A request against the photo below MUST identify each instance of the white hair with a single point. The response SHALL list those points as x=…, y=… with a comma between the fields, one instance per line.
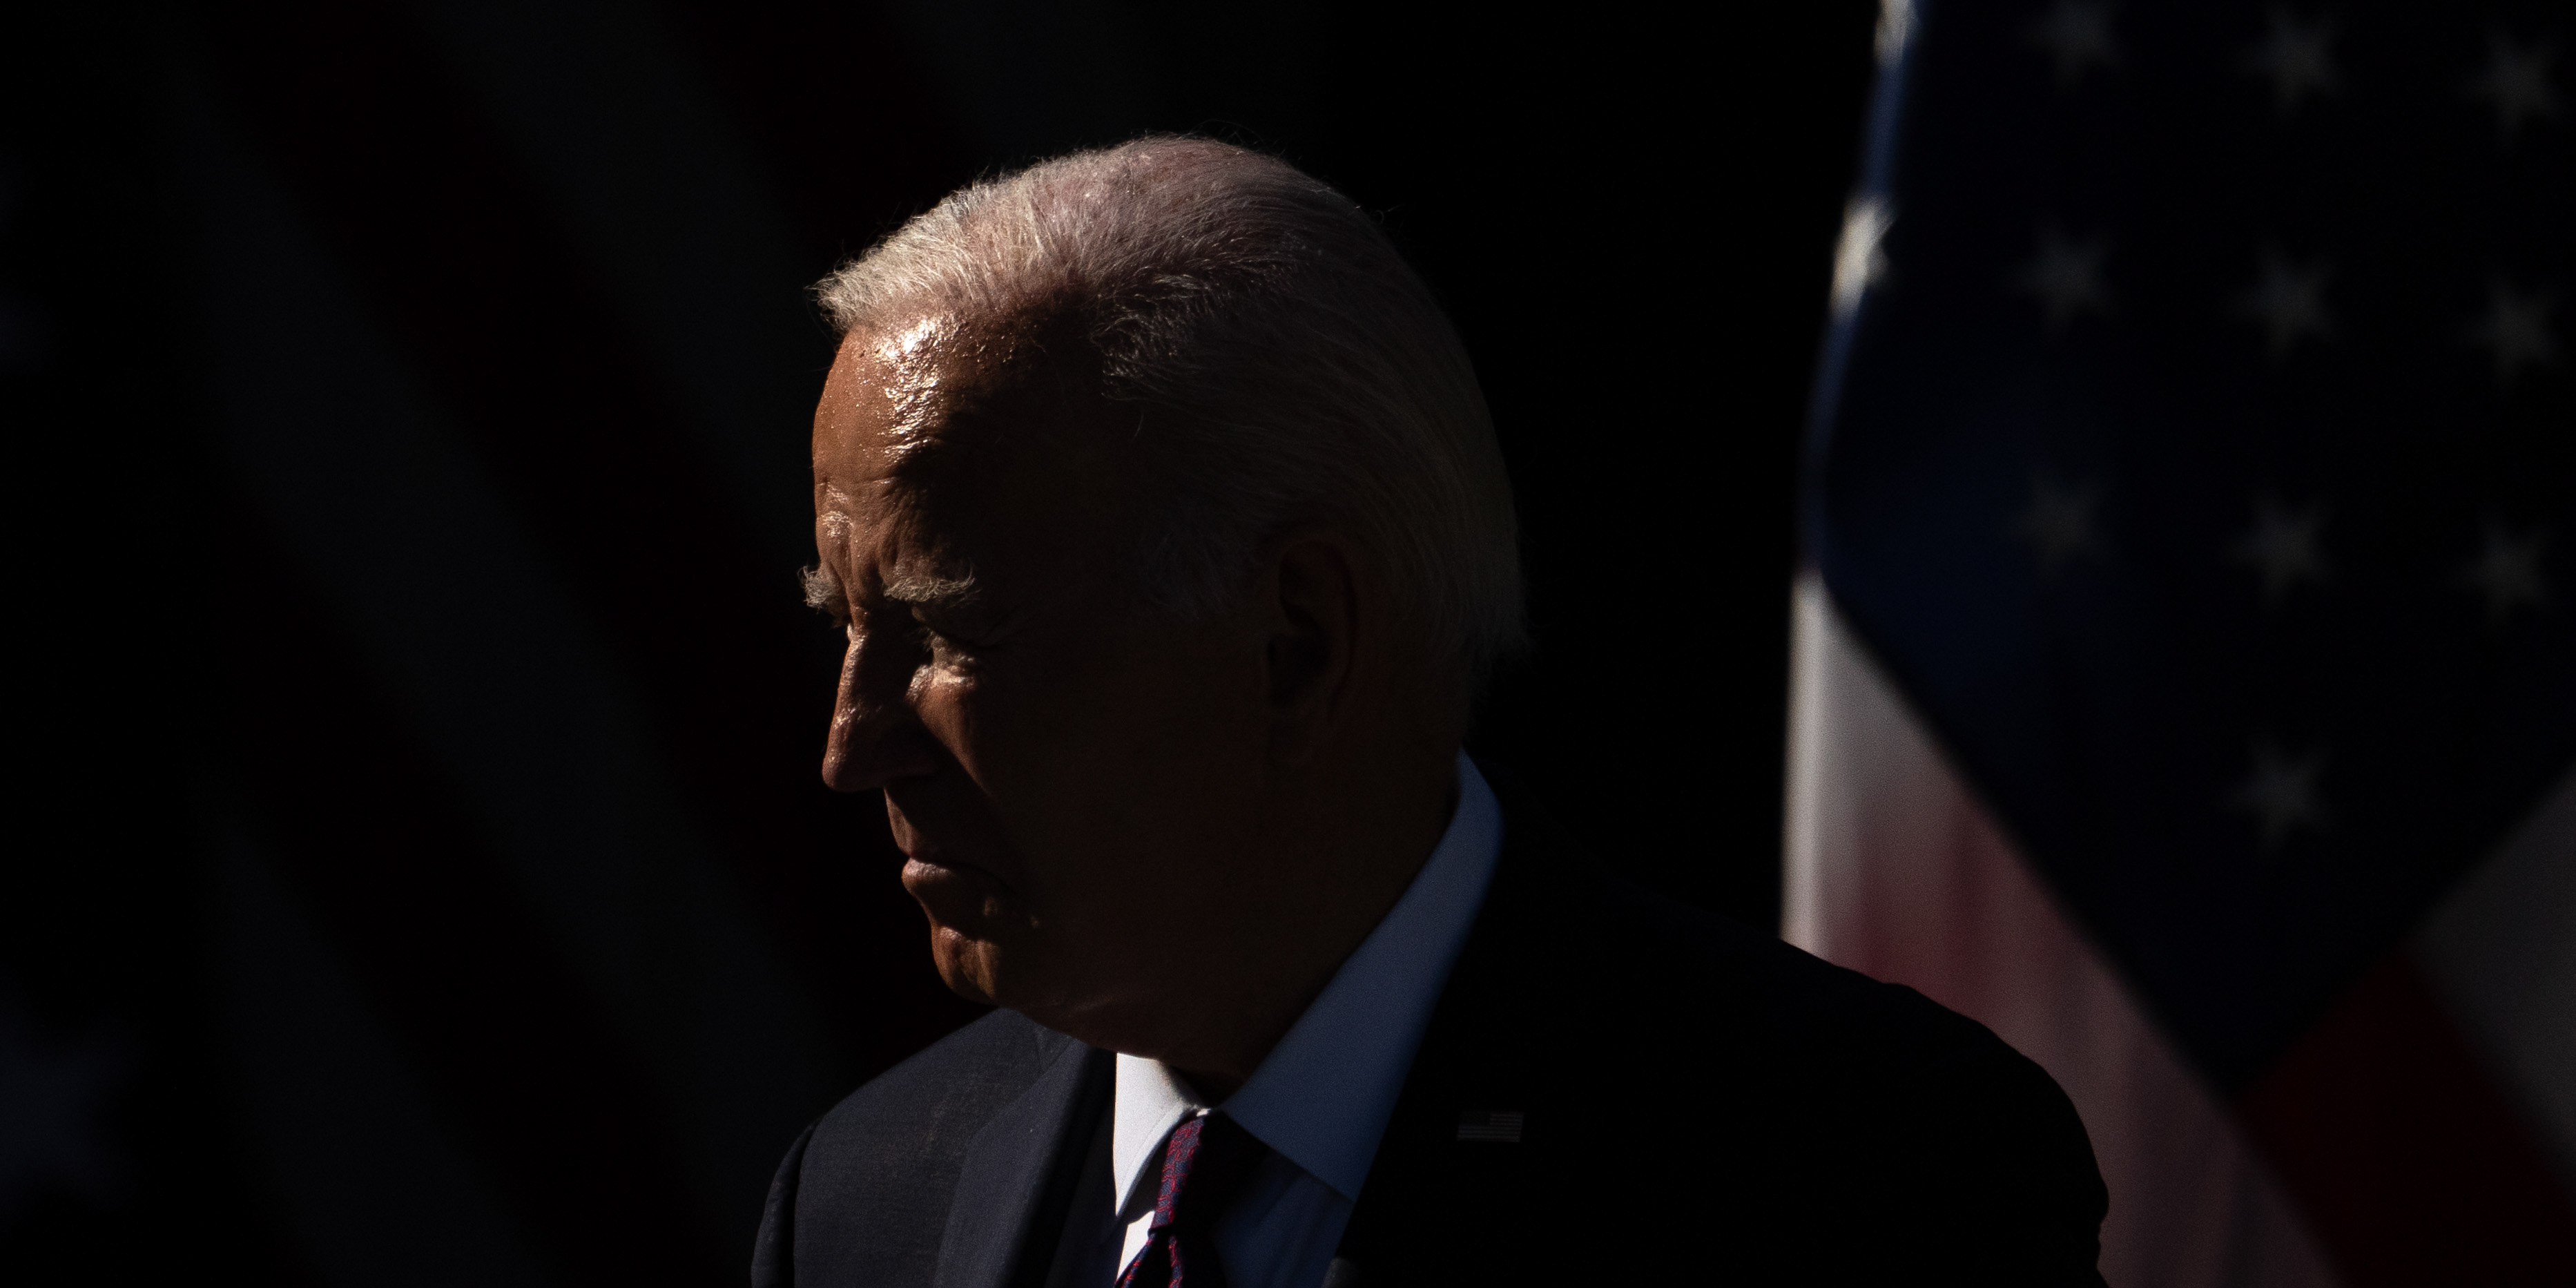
x=1294, y=369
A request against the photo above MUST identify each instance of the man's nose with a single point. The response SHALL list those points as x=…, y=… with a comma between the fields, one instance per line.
x=875, y=737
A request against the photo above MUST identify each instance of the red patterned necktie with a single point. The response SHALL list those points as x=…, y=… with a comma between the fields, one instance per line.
x=1207, y=1159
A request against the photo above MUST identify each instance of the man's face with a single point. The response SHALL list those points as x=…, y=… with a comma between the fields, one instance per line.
x=1069, y=780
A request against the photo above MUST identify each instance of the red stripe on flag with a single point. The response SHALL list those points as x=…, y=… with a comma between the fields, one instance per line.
x=2411, y=1167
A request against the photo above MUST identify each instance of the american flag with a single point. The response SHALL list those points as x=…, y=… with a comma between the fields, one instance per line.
x=2193, y=478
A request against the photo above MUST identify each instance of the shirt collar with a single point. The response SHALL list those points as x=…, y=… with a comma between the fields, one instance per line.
x=1323, y=1095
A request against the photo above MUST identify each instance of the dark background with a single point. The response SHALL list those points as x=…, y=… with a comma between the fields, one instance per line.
x=422, y=875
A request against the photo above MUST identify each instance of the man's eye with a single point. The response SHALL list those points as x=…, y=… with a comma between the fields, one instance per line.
x=935, y=642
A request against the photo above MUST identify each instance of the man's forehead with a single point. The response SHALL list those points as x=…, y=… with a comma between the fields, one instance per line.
x=886, y=396
x=921, y=373
x=886, y=513
x=893, y=549
x=940, y=451
x=929, y=526
x=910, y=399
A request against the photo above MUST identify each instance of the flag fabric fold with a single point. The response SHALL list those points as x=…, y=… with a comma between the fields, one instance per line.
x=2188, y=658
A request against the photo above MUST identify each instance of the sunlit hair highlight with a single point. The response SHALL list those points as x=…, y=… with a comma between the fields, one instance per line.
x=1291, y=368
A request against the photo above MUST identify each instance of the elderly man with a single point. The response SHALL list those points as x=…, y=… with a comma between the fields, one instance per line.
x=1164, y=517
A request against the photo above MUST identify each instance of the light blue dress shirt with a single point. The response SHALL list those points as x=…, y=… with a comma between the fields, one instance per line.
x=1322, y=1098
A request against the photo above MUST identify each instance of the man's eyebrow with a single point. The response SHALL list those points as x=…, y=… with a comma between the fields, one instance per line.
x=928, y=590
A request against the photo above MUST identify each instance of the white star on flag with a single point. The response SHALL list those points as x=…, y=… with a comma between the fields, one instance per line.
x=2067, y=277
x=2515, y=82
x=2297, y=58
x=1857, y=261
x=2280, y=791
x=2058, y=524
x=2289, y=301
x=2283, y=546
x=2077, y=36
x=2516, y=328
x=2506, y=571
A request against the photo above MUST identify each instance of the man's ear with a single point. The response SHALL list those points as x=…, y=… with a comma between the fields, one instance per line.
x=1314, y=638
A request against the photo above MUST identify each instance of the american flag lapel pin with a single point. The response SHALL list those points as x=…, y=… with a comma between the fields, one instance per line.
x=1496, y=1126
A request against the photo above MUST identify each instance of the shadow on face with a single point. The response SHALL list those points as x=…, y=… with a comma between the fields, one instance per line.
x=1070, y=779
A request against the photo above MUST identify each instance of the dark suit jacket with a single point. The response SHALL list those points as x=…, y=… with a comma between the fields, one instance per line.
x=1701, y=1104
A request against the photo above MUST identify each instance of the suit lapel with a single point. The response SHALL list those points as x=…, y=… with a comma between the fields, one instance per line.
x=1017, y=1174
x=1474, y=1128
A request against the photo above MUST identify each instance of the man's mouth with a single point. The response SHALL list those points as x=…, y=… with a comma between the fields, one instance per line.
x=921, y=851
x=955, y=894
x=932, y=861
x=953, y=889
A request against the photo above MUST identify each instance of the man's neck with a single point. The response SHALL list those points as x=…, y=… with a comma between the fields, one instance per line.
x=1301, y=937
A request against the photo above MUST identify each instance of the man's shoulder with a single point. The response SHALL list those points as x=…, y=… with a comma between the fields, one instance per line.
x=1820, y=1107
x=1771, y=995
x=864, y=1197
x=935, y=1102
x=1634, y=970
x=1876, y=1105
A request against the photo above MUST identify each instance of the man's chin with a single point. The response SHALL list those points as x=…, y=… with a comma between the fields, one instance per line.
x=971, y=915
x=986, y=972
x=965, y=965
